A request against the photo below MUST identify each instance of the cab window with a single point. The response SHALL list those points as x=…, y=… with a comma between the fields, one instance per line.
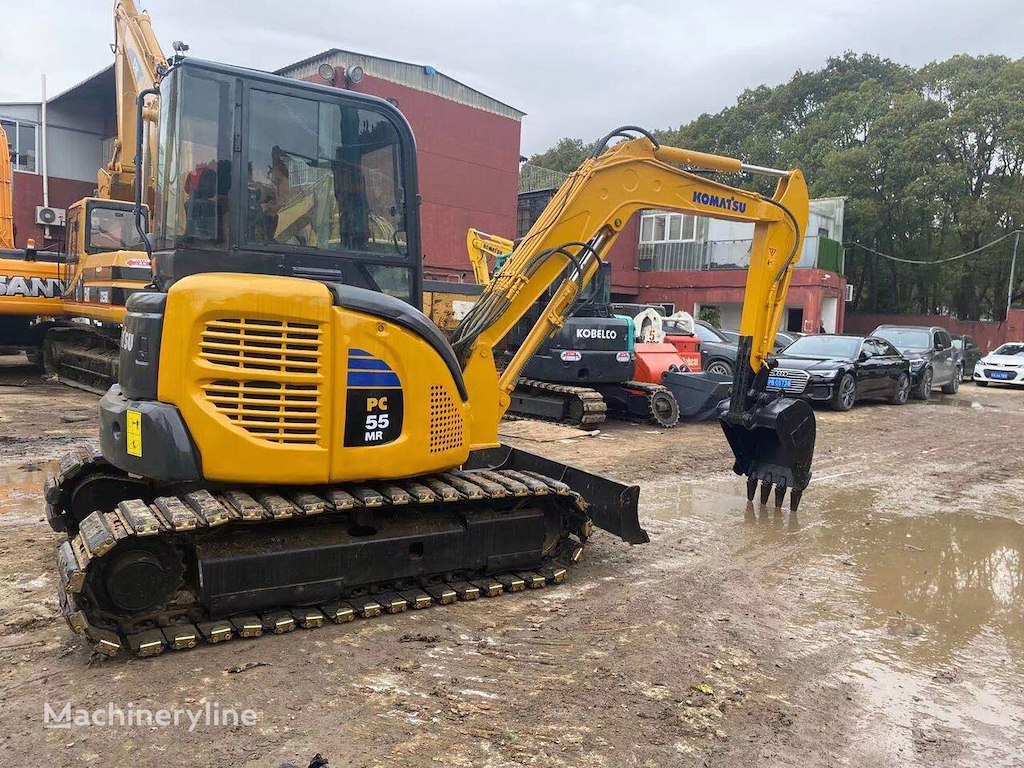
x=323, y=175
x=111, y=229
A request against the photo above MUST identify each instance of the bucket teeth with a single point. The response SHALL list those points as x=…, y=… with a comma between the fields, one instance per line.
x=794, y=499
x=766, y=489
x=780, y=494
x=751, y=488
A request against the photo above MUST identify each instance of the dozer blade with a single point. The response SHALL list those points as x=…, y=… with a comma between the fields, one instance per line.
x=611, y=505
x=773, y=443
x=698, y=394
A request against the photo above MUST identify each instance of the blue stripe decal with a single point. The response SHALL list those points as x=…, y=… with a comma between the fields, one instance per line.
x=367, y=364
x=367, y=379
x=359, y=353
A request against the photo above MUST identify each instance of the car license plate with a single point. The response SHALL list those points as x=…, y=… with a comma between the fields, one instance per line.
x=1001, y=374
x=778, y=382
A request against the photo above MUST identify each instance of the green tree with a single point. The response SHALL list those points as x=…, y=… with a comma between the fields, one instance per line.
x=565, y=156
x=931, y=162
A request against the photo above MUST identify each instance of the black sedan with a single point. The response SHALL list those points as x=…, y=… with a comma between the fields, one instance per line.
x=840, y=370
x=718, y=354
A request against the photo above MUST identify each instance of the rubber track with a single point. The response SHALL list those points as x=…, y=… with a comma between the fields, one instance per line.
x=99, y=533
x=592, y=402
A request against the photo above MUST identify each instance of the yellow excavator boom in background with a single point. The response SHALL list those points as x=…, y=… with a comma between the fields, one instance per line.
x=6, y=194
x=480, y=246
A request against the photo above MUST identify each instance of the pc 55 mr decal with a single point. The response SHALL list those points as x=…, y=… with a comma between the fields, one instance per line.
x=373, y=405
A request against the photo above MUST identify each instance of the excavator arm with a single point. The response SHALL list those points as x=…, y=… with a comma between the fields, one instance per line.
x=137, y=67
x=579, y=227
x=480, y=246
x=6, y=195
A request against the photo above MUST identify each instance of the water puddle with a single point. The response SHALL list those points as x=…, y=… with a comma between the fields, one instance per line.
x=21, y=492
x=930, y=607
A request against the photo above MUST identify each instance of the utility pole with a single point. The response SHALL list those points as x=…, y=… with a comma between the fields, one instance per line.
x=1013, y=268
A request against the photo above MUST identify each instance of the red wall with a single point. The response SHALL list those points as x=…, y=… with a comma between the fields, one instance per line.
x=28, y=193
x=468, y=169
x=622, y=257
x=726, y=286
x=986, y=334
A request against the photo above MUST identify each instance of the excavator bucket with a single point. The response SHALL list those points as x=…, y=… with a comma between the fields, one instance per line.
x=772, y=437
x=611, y=505
x=773, y=443
x=698, y=394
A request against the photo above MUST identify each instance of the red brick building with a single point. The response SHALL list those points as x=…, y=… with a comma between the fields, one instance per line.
x=467, y=145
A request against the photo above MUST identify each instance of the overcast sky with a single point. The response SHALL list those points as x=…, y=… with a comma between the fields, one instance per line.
x=577, y=67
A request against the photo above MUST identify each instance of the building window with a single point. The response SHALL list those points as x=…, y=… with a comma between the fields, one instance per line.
x=21, y=138
x=657, y=227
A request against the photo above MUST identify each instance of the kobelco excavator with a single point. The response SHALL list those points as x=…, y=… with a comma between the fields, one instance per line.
x=292, y=441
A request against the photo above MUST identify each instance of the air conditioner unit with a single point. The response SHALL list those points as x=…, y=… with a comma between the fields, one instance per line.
x=52, y=217
x=849, y=293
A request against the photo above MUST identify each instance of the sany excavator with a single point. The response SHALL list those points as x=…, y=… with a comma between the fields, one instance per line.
x=69, y=315
x=30, y=285
x=292, y=441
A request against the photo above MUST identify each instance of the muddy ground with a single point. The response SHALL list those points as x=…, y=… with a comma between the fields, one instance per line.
x=883, y=627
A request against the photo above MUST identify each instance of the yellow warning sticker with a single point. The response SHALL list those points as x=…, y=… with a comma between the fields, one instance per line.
x=134, y=433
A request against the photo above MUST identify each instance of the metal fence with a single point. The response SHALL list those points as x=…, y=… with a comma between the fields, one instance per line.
x=722, y=254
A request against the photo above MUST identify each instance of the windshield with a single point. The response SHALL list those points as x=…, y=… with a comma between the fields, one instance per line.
x=1010, y=349
x=958, y=343
x=323, y=175
x=707, y=334
x=840, y=347
x=111, y=229
x=906, y=338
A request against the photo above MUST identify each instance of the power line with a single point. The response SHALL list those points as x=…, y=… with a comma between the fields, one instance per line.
x=937, y=261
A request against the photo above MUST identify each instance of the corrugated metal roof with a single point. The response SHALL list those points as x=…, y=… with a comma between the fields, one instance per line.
x=404, y=73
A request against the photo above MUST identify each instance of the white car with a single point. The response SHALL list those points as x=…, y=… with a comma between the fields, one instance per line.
x=1003, y=365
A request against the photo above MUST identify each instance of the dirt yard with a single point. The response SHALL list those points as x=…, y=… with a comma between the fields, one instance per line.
x=884, y=627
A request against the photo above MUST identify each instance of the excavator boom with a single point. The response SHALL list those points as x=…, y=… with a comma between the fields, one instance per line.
x=582, y=222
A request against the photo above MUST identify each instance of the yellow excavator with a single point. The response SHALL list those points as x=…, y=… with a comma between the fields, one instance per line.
x=291, y=440
x=66, y=307
x=30, y=284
